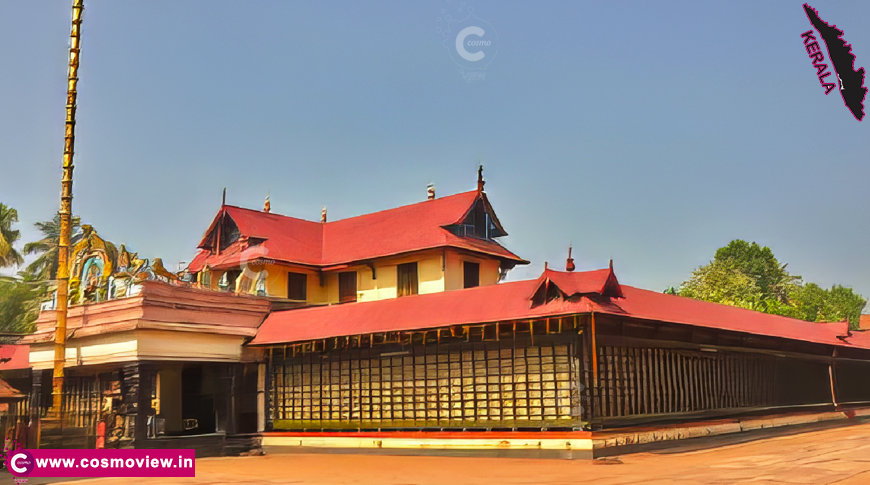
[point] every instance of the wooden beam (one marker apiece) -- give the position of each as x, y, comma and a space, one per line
594, 353
617, 340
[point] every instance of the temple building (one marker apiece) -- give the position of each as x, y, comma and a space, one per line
437, 245
396, 332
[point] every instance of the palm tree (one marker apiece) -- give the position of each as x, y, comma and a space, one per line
20, 299
8, 255
44, 267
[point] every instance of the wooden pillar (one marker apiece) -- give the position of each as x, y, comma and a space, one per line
224, 397
232, 417
35, 393
137, 399
170, 399
596, 391
833, 378
35, 411
262, 412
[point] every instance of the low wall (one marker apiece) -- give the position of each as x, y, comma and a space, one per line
545, 444
568, 444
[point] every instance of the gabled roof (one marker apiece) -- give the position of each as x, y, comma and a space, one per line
601, 282
581, 293
9, 392
396, 231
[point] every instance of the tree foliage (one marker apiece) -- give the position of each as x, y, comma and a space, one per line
22, 295
44, 267
8, 237
761, 266
749, 276
722, 283
20, 300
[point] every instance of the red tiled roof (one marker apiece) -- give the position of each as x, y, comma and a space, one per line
473, 305
404, 229
859, 339
9, 392
512, 301
14, 357
602, 282
652, 305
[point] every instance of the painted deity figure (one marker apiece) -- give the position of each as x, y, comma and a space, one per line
92, 277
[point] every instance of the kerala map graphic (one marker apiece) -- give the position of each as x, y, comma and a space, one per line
840, 54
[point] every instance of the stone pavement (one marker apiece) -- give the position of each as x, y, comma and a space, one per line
840, 455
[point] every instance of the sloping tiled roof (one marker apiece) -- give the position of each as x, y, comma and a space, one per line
473, 305
9, 392
391, 232
14, 357
601, 282
584, 292
652, 305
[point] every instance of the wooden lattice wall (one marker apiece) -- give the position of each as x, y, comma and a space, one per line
638, 381
502, 384
541, 374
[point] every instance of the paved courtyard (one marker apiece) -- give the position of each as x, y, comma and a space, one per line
840, 455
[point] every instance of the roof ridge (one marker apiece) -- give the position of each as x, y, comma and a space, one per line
260, 212
406, 206
389, 232
272, 214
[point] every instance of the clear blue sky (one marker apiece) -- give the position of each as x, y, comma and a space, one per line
647, 132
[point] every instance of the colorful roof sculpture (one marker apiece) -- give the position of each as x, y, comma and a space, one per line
157, 306
391, 232
563, 293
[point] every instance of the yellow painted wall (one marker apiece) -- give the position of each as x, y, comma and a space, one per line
317, 293
489, 272
215, 277
383, 287
453, 272
433, 272
429, 273
276, 283
331, 290
455, 278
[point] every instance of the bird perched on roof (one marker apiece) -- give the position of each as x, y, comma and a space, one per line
159, 271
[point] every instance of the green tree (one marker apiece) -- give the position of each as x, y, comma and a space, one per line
20, 299
721, 282
8, 237
810, 303
44, 267
847, 304
761, 265
749, 276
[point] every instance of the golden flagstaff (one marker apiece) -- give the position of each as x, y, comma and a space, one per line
66, 207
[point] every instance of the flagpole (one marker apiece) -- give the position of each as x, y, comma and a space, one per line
66, 208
